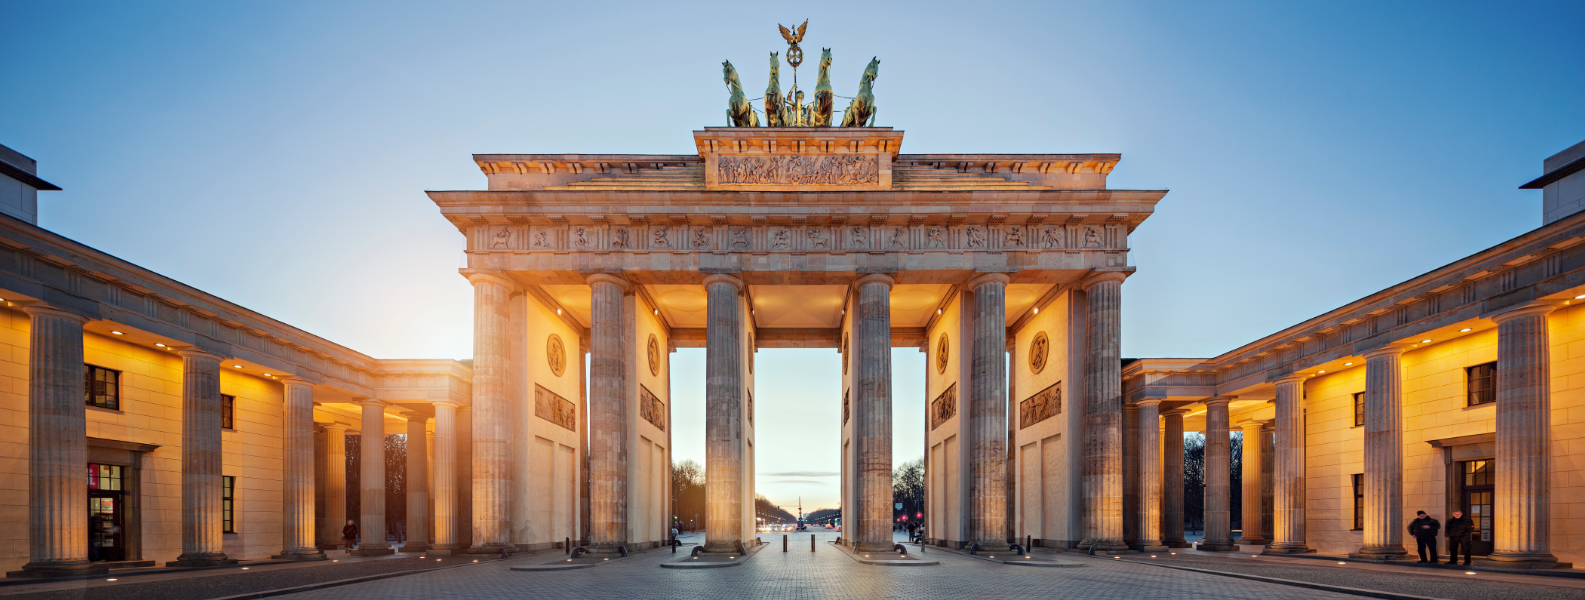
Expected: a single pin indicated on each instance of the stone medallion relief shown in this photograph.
(556, 355)
(845, 356)
(654, 356)
(1039, 351)
(941, 354)
(752, 350)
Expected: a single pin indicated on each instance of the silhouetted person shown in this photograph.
(1459, 529)
(1424, 529)
(349, 535)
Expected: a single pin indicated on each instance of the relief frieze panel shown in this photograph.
(800, 238)
(554, 408)
(651, 408)
(1041, 406)
(799, 170)
(944, 407)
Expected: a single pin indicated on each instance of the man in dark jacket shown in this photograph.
(1459, 529)
(1424, 529)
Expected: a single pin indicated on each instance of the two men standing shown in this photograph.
(1424, 529)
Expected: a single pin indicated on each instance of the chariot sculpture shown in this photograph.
(789, 110)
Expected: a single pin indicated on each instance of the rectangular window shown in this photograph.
(1359, 409)
(228, 505)
(1359, 501)
(104, 477)
(102, 387)
(228, 410)
(1482, 383)
(1478, 473)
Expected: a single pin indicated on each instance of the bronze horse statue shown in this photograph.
(739, 113)
(862, 109)
(775, 111)
(824, 97)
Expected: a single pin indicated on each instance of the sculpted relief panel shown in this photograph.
(797, 237)
(554, 408)
(800, 170)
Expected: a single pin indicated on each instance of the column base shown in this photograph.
(1380, 553)
(412, 547)
(879, 547)
(300, 554)
(1177, 543)
(1516, 561)
(1253, 541)
(64, 568)
(1152, 548)
(1288, 549)
(370, 550)
(1215, 546)
(205, 559)
(1106, 547)
(488, 549)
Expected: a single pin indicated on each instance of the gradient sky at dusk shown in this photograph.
(275, 153)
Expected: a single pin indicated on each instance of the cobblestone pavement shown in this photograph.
(1400, 579)
(825, 573)
(214, 583)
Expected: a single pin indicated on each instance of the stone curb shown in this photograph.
(684, 562)
(918, 562)
(339, 582)
(1338, 589)
(1017, 562)
(1414, 562)
(158, 570)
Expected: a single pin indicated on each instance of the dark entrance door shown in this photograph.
(106, 513)
(1480, 479)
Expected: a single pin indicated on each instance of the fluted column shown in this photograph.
(297, 474)
(492, 426)
(1383, 535)
(1218, 478)
(723, 405)
(1288, 469)
(1149, 451)
(417, 484)
(1103, 416)
(1172, 481)
(1268, 451)
(987, 413)
(371, 480)
(57, 446)
(201, 477)
(335, 482)
(1252, 459)
(872, 431)
(445, 477)
(1524, 428)
(608, 458)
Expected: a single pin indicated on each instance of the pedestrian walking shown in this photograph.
(1459, 530)
(1424, 529)
(349, 535)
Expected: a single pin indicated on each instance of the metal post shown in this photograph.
(811, 542)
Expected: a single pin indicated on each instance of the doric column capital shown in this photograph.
(1102, 277)
(479, 277)
(38, 310)
(881, 278)
(1219, 400)
(612, 279)
(1251, 426)
(1148, 402)
(199, 354)
(1291, 378)
(334, 426)
(372, 403)
(291, 381)
(1389, 350)
(440, 403)
(1176, 412)
(725, 278)
(984, 278)
(1523, 311)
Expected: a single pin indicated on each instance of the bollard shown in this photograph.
(811, 542)
(783, 542)
(567, 545)
(674, 544)
(1029, 541)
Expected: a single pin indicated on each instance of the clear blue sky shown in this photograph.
(275, 154)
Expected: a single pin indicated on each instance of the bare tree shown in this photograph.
(687, 493)
(908, 487)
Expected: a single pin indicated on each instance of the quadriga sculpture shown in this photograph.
(861, 110)
(738, 111)
(824, 97)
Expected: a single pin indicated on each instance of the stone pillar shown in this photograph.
(1268, 450)
(1218, 478)
(607, 414)
(1524, 427)
(1012, 442)
(1287, 470)
(1383, 456)
(417, 484)
(1149, 452)
(1172, 481)
(445, 478)
(201, 476)
(872, 411)
(723, 421)
(987, 414)
(1252, 516)
(371, 478)
(1103, 415)
(297, 474)
(335, 483)
(57, 447)
(1131, 474)
(491, 465)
